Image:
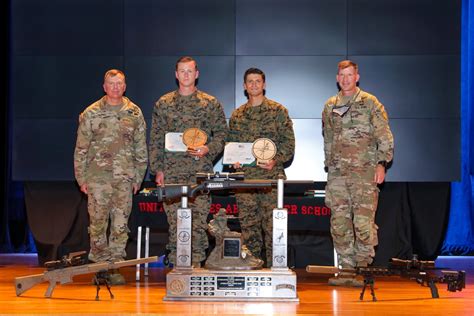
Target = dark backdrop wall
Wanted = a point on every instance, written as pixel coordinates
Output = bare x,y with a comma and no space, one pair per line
408,52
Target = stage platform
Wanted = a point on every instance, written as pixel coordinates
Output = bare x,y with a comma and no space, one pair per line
396,296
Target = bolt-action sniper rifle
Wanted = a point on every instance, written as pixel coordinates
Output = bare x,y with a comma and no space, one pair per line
207,182
62,271
423,272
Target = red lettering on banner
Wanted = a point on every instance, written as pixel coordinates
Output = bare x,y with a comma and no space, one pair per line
326,211
148,207
315,210
215,207
304,209
232,209
292,209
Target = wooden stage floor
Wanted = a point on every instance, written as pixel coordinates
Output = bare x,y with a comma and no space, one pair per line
396,296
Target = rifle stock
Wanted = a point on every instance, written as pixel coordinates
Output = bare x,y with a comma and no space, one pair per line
23,284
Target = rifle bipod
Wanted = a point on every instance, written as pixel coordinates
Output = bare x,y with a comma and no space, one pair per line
101,277
368,280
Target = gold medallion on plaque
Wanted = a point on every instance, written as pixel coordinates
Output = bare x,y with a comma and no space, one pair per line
177,286
194,137
264,150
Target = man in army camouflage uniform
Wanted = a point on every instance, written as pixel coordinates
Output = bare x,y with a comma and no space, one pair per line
175,112
110,161
358,144
260,118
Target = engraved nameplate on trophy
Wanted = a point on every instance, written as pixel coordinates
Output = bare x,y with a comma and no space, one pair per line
232,247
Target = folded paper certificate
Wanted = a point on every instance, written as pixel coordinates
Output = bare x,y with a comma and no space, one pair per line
238,152
174,142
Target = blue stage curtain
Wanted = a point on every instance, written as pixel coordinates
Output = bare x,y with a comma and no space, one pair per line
459,238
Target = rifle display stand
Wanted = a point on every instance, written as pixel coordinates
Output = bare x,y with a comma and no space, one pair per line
185,283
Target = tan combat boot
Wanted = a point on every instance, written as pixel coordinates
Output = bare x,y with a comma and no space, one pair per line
342,279
347,278
357,281
116,278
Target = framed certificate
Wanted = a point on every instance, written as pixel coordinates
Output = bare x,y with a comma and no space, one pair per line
174,142
238,152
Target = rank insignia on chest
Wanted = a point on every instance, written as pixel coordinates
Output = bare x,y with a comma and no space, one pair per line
341,109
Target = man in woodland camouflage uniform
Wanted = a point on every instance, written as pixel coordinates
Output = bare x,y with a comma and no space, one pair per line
110,161
260,118
358,144
175,112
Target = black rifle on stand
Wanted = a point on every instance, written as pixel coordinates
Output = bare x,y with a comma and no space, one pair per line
207,182
423,272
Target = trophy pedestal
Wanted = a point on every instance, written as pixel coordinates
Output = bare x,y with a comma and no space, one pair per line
228,282
277,285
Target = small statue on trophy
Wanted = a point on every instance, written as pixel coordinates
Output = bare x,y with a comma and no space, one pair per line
229,252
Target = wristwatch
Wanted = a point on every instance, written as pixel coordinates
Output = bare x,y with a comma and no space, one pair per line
383,163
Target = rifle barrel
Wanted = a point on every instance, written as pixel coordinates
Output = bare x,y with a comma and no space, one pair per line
132,262
322,269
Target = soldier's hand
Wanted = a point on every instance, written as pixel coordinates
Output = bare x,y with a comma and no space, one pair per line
84,188
160,178
198,151
236,165
379,174
135,188
269,165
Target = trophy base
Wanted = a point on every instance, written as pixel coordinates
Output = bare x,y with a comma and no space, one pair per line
278,285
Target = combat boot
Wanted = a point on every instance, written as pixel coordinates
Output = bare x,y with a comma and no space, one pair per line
357,281
342,279
115,278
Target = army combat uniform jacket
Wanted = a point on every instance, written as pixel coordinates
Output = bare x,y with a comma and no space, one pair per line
111,143
268,120
356,141
176,113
